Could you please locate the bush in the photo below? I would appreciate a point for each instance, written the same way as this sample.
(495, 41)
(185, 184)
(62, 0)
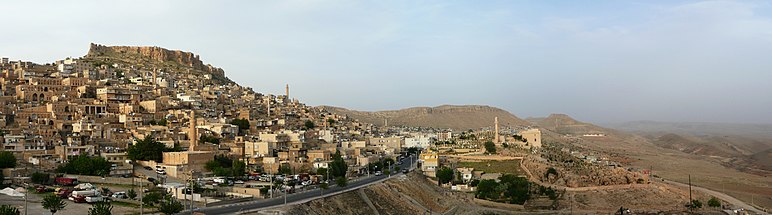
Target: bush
(131, 194)
(714, 202)
(7, 160)
(341, 181)
(40, 178)
(9, 210)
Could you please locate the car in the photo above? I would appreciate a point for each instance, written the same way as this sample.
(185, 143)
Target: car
(378, 173)
(151, 179)
(239, 182)
(119, 195)
(405, 171)
(148, 168)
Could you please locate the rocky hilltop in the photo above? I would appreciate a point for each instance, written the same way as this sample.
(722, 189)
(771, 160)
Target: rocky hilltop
(155, 53)
(457, 117)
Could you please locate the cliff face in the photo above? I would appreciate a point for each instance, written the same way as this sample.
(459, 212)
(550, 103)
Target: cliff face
(156, 53)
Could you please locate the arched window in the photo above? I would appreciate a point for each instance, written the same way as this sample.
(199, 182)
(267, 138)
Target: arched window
(34, 97)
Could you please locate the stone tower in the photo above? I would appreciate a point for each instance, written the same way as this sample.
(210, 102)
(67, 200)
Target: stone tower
(497, 138)
(193, 132)
(155, 78)
(286, 91)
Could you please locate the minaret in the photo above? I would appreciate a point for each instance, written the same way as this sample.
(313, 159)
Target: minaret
(386, 122)
(155, 78)
(286, 91)
(497, 139)
(193, 132)
(269, 105)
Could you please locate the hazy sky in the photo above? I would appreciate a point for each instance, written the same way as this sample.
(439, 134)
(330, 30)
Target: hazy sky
(598, 61)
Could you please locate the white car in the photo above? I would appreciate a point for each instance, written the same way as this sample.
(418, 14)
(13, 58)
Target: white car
(378, 173)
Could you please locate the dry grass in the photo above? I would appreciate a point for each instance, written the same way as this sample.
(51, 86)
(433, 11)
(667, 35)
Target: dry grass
(503, 167)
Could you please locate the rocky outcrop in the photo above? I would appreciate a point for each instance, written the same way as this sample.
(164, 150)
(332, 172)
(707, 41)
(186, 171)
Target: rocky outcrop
(156, 53)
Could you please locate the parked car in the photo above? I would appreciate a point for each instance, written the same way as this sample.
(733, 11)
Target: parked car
(119, 195)
(148, 168)
(405, 171)
(378, 173)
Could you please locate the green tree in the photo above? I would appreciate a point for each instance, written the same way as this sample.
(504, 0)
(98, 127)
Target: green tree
(86, 165)
(101, 208)
(212, 165)
(152, 198)
(285, 169)
(53, 203)
(239, 168)
(243, 124)
(714, 202)
(40, 178)
(209, 139)
(516, 189)
(490, 147)
(486, 189)
(338, 166)
(170, 206)
(342, 181)
(147, 149)
(9, 210)
(131, 194)
(309, 125)
(388, 161)
(444, 175)
(330, 121)
(7, 160)
(322, 172)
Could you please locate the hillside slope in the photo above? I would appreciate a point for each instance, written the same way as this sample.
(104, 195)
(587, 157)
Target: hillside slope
(564, 124)
(457, 117)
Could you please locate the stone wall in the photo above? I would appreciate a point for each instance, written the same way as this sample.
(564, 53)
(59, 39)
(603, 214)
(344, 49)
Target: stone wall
(108, 180)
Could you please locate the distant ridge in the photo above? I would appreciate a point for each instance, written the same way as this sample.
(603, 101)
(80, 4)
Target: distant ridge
(456, 117)
(564, 124)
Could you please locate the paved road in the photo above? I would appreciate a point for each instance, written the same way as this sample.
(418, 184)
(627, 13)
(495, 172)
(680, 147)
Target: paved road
(298, 197)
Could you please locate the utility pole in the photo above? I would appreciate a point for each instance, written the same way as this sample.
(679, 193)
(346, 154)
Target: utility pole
(271, 180)
(25, 202)
(690, 194)
(141, 204)
(389, 163)
(191, 192)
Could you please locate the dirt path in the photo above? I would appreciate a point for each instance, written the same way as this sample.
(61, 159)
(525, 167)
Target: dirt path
(719, 195)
